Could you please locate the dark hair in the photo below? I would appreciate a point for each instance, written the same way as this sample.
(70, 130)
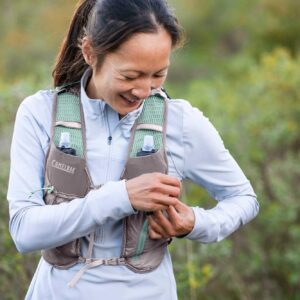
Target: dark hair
(108, 24)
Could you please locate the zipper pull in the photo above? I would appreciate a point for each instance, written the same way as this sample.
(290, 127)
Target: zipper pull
(109, 139)
(49, 190)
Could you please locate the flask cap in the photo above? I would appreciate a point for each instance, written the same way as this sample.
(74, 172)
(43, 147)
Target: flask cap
(64, 140)
(148, 145)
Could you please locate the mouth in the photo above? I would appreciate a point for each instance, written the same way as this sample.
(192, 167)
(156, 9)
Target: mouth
(131, 102)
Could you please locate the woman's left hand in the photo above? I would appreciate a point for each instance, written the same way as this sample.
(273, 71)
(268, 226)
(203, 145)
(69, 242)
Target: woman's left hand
(178, 220)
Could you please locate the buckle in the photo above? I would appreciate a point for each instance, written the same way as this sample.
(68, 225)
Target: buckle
(114, 261)
(107, 262)
(110, 262)
(88, 260)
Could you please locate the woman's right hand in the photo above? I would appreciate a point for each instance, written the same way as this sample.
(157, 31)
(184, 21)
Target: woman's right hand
(153, 191)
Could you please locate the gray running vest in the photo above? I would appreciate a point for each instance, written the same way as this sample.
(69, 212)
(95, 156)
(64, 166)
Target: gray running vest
(67, 177)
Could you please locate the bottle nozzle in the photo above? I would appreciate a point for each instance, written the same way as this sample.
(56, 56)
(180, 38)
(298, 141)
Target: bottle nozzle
(64, 141)
(148, 145)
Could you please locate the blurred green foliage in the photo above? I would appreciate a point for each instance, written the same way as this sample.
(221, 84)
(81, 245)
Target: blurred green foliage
(257, 111)
(240, 66)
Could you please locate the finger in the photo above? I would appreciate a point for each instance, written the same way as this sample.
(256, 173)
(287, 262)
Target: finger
(173, 215)
(167, 179)
(154, 225)
(164, 200)
(155, 207)
(157, 227)
(180, 206)
(154, 235)
(169, 190)
(184, 221)
(164, 222)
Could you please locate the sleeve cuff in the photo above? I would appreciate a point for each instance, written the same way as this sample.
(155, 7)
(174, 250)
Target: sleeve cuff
(206, 228)
(110, 202)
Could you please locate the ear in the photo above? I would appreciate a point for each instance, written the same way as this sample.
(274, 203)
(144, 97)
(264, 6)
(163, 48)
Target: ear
(87, 52)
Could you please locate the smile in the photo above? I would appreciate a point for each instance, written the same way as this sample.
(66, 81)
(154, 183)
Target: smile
(129, 100)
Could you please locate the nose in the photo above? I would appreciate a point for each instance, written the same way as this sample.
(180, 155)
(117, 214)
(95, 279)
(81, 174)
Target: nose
(143, 90)
(141, 93)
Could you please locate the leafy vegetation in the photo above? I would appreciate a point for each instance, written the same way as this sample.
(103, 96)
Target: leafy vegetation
(240, 66)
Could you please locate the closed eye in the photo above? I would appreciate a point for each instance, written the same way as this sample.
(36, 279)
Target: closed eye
(134, 78)
(160, 75)
(129, 78)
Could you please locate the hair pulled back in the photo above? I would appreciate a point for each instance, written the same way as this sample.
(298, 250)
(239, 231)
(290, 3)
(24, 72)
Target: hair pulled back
(108, 24)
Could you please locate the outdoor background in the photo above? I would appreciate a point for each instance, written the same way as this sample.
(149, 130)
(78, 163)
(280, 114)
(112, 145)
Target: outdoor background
(241, 67)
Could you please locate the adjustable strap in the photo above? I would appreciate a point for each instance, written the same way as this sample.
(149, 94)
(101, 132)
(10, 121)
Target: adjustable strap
(75, 125)
(92, 263)
(91, 240)
(153, 127)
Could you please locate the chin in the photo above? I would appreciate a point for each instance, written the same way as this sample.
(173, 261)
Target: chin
(126, 111)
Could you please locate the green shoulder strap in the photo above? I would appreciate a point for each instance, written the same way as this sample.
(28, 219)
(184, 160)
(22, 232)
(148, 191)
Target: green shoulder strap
(150, 122)
(69, 119)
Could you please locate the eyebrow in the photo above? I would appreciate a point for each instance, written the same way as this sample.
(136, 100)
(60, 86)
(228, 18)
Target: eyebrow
(141, 72)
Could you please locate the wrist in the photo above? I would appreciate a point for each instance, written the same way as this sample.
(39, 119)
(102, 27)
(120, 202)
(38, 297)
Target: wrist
(126, 186)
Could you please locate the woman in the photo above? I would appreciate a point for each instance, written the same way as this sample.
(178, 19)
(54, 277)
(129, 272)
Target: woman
(115, 56)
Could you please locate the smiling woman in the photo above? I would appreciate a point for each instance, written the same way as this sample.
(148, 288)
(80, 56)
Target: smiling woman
(107, 151)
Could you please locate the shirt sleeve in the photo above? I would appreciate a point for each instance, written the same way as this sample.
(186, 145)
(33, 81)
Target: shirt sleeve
(34, 225)
(208, 163)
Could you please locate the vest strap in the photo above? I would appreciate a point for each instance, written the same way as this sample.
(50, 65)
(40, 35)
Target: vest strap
(92, 263)
(75, 125)
(153, 127)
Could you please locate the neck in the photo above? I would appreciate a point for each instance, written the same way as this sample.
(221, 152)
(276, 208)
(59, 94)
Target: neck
(91, 89)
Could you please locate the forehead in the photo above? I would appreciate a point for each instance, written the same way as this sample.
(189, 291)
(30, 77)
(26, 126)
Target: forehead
(143, 51)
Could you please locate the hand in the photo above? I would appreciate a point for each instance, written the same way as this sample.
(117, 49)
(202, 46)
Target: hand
(153, 191)
(177, 220)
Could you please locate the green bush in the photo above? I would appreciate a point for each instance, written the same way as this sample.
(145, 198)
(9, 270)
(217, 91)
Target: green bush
(258, 115)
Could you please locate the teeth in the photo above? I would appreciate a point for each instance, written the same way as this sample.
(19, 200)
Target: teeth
(131, 101)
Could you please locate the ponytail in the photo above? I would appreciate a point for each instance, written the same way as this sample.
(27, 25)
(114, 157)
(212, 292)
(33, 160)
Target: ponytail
(70, 64)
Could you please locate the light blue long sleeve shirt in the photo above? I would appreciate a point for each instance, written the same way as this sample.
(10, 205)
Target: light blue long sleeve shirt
(194, 150)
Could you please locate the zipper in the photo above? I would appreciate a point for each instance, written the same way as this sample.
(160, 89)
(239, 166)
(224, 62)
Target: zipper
(141, 240)
(109, 142)
(109, 138)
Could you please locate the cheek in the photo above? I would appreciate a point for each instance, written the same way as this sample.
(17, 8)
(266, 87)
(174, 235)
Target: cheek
(162, 80)
(114, 89)
(158, 82)
(120, 87)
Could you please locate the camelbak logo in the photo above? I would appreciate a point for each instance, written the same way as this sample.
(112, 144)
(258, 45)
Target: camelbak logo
(63, 167)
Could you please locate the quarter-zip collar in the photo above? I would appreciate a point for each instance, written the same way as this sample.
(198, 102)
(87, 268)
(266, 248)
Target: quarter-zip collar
(92, 107)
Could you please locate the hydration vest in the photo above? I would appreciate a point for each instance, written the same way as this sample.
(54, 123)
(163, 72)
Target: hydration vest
(67, 177)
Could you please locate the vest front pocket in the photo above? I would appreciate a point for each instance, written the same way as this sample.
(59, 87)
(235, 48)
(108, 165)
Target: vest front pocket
(137, 166)
(142, 253)
(67, 173)
(146, 255)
